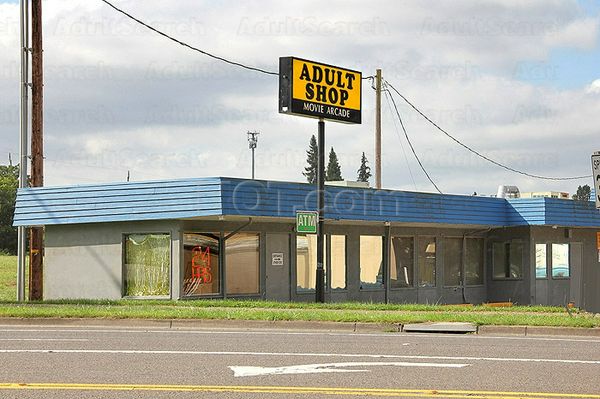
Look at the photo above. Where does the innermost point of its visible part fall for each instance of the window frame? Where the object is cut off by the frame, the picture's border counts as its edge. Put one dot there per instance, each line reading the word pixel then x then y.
pixel 460 266
pixel 413 284
pixel 436 243
pixel 328 269
pixel 483 264
pixel 221 257
pixel 545 244
pixel 380 287
pixel 552 260
pixel 124 268
pixel 510 242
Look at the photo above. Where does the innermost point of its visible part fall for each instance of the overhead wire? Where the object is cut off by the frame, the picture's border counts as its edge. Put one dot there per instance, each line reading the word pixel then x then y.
pixel 477 152
pixel 216 57
pixel 399 138
pixel 411 146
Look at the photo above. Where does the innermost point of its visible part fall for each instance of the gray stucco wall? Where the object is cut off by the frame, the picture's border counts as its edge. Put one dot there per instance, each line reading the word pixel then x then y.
pixel 85 261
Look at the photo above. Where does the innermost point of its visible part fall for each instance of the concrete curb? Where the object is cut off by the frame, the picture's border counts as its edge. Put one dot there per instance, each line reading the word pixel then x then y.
pixel 285 325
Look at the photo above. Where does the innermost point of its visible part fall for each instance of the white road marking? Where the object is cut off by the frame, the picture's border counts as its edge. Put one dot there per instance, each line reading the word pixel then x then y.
pixel 288 354
pixel 308 333
pixel 252 371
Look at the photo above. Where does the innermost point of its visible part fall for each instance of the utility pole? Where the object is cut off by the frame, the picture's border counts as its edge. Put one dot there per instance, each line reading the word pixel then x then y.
pixel 320 272
pixel 378 129
pixel 36 247
pixel 252 143
pixel 23 159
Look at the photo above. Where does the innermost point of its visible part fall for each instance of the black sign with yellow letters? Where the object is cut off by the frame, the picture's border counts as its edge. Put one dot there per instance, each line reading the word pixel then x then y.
pixel 318 90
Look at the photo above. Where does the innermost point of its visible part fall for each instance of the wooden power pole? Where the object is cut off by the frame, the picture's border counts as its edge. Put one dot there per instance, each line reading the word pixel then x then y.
pixel 378 129
pixel 36 247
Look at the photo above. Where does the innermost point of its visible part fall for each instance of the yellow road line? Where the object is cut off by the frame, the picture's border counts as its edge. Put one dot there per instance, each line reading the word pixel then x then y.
pixel 422 393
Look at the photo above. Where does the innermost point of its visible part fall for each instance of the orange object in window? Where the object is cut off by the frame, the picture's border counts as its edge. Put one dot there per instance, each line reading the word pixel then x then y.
pixel 201 265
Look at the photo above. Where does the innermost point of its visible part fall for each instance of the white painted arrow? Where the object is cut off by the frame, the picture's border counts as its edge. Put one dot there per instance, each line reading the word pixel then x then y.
pixel 251 371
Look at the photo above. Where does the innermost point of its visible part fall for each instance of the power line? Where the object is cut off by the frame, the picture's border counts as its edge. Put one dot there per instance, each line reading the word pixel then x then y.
pixel 478 153
pixel 387 97
pixel 411 146
pixel 216 57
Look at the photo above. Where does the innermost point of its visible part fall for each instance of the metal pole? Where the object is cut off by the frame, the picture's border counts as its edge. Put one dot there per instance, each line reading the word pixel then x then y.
pixel 252 163
pixel 21 232
pixel 36 248
pixel 378 129
pixel 320 278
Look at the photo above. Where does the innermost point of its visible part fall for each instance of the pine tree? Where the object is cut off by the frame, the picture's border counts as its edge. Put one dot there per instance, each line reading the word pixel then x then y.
pixel 334 171
pixel 310 172
pixel 584 193
pixel 364 172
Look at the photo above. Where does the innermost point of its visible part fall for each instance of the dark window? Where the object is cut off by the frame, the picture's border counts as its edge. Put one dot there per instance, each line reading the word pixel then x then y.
pixel 426 261
pixel 507 260
pixel 452 261
pixel 474 259
pixel 402 262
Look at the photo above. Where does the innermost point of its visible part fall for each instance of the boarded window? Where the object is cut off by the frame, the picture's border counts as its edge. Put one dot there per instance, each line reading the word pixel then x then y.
pixel 338 262
pixel 147 264
pixel 242 263
pixel 371 262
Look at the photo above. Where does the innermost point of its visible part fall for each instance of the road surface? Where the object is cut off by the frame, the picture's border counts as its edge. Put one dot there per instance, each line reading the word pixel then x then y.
pixel 112 362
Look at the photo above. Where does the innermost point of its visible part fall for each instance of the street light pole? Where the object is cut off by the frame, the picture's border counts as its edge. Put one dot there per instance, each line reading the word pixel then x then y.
pixel 252 143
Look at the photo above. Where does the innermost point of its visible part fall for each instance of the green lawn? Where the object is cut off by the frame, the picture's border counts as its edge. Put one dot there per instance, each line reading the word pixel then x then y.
pixel 263 310
pixel 8 278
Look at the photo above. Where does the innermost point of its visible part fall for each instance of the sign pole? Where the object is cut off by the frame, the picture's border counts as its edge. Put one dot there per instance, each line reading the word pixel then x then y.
pixel 320 278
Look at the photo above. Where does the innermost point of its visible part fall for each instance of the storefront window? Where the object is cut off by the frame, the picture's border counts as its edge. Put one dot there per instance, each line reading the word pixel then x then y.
pixel 452 261
pixel 402 262
pixel 560 261
pixel 338 262
pixel 201 259
pixel 540 261
pixel 371 262
pixel 507 260
pixel 426 261
pixel 306 262
pixel 147 264
pixel 242 263
pixel 474 259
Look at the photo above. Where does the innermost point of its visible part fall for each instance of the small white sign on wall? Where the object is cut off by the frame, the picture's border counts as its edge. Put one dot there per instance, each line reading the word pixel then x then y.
pixel 277 259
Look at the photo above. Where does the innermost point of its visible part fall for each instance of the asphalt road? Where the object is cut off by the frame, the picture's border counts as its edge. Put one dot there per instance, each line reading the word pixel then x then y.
pixel 104 362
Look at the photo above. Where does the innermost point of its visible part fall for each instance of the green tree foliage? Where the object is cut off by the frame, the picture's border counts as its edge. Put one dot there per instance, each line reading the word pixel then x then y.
pixel 9 181
pixel 584 193
pixel 364 172
pixel 312 157
pixel 334 171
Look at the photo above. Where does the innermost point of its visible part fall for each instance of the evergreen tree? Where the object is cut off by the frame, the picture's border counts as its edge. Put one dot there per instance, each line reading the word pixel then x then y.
pixel 9 181
pixel 364 172
pixel 334 171
pixel 584 193
pixel 312 157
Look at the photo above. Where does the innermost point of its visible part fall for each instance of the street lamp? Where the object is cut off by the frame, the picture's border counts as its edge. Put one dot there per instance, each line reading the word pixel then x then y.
pixel 252 142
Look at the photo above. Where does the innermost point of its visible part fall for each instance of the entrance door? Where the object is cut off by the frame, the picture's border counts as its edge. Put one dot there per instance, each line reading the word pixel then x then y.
pixel 278 267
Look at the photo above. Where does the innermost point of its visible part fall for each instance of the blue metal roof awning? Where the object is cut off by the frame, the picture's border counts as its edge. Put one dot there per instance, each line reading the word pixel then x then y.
pixel 222 196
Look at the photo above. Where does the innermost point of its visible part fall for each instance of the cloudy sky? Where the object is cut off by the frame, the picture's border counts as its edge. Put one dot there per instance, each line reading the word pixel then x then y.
pixel 517 80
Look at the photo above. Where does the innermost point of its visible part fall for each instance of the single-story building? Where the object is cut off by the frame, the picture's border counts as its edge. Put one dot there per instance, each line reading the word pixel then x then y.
pixel 228 237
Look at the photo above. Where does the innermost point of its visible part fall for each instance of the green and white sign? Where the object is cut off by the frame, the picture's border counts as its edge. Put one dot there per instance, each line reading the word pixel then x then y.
pixel 306 222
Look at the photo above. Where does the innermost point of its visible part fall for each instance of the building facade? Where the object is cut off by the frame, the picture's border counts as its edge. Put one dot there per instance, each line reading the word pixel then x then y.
pixel 226 237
